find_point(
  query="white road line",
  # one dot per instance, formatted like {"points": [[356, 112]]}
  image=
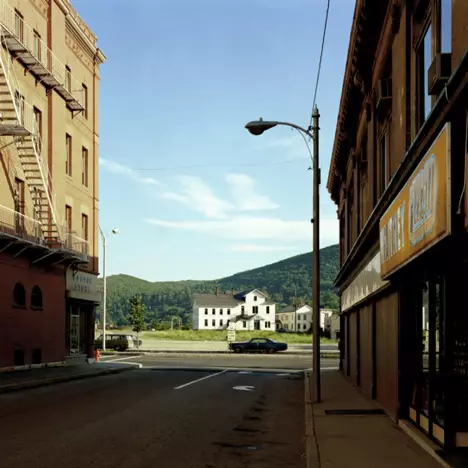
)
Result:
{"points": [[199, 380], [119, 359]]}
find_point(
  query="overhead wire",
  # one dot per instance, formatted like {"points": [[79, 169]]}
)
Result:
{"points": [[320, 61], [207, 165]]}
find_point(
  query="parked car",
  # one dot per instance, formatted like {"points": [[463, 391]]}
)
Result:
{"points": [[116, 342], [258, 345]]}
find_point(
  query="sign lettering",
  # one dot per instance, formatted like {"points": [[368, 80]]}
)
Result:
{"points": [[420, 214]]}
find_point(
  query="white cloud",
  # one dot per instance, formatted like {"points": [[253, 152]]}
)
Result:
{"points": [[249, 228], [244, 195], [260, 248], [198, 196], [117, 168]]}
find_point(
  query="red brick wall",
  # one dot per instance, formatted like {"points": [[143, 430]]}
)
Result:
{"points": [[28, 328]]}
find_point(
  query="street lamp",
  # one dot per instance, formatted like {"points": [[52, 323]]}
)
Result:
{"points": [[257, 127], [104, 301]]}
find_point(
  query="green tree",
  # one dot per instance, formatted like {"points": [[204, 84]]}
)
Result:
{"points": [[137, 316]]}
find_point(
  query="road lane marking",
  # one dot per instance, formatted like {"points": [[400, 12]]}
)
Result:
{"points": [[245, 372], [199, 380], [119, 359], [244, 388]]}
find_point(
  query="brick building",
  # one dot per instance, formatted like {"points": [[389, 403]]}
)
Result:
{"points": [[49, 82], [398, 176]]}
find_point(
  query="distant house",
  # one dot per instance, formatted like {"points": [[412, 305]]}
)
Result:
{"points": [[299, 318], [248, 310]]}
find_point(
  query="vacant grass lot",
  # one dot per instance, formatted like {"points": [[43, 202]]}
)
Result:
{"points": [[215, 335]]}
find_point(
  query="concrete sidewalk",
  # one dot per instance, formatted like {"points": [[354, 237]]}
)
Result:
{"points": [[25, 379], [364, 441]]}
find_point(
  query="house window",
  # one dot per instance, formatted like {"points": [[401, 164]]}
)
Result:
{"points": [[268, 309], [220, 311], [206, 322], [85, 101], [221, 323], [229, 311], [19, 295], [68, 218], [68, 154], [37, 45], [424, 60], [446, 26], [19, 196], [255, 298], [19, 25], [383, 151], [84, 166], [84, 226], [228, 322], [36, 297], [38, 121], [213, 322], [68, 79], [213, 311], [244, 324], [255, 309], [19, 101], [206, 311], [242, 309]]}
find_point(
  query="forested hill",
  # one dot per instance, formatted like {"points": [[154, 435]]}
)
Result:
{"points": [[283, 281]]}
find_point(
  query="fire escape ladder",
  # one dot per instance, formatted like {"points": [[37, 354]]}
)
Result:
{"points": [[18, 119]]}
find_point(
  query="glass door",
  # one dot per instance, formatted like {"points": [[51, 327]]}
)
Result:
{"points": [[428, 408], [74, 332]]}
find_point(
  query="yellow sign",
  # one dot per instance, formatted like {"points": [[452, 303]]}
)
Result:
{"points": [[419, 216]]}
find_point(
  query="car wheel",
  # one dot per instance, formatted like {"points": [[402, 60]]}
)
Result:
{"points": [[271, 350], [238, 350]]}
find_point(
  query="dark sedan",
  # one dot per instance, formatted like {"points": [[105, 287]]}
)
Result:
{"points": [[258, 345]]}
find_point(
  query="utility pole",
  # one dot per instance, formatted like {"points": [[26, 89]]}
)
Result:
{"points": [[316, 259], [104, 299]]}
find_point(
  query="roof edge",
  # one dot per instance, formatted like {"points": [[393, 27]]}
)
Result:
{"points": [[344, 93]]}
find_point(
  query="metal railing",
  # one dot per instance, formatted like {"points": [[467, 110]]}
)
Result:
{"points": [[15, 224], [76, 244], [25, 34]]}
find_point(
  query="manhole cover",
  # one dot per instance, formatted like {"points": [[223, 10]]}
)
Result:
{"points": [[354, 412]]}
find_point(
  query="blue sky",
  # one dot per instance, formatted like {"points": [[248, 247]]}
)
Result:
{"points": [[193, 194]]}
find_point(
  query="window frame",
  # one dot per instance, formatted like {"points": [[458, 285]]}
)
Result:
{"points": [[19, 25], [85, 100], [85, 226], [68, 154], [84, 166], [37, 44], [18, 304]]}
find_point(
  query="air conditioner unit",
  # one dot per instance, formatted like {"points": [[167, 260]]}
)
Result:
{"points": [[384, 94], [439, 73]]}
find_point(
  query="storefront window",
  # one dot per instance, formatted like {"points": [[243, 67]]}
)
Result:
{"points": [[429, 395]]}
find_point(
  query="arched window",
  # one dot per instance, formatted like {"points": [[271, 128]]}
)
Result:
{"points": [[36, 297], [19, 295]]}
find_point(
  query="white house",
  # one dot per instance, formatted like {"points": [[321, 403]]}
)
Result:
{"points": [[299, 318], [248, 310]]}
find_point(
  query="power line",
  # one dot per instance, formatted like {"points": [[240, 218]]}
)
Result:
{"points": [[320, 61], [201, 166]]}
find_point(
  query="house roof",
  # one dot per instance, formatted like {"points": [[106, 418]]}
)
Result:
{"points": [[289, 308], [213, 300]]}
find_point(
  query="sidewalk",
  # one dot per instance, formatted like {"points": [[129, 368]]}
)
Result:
{"points": [[21, 380], [364, 441]]}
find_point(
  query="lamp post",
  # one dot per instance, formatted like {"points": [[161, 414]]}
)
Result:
{"points": [[257, 127], [104, 299]]}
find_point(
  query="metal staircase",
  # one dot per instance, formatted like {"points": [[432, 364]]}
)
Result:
{"points": [[18, 120]]}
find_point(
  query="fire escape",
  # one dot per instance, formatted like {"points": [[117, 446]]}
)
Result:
{"points": [[20, 121]]}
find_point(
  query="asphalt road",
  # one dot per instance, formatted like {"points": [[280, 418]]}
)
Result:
{"points": [[278, 362], [157, 418]]}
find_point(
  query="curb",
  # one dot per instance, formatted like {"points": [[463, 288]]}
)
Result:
{"points": [[324, 355], [61, 379], [250, 370], [311, 444], [32, 366], [429, 447]]}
